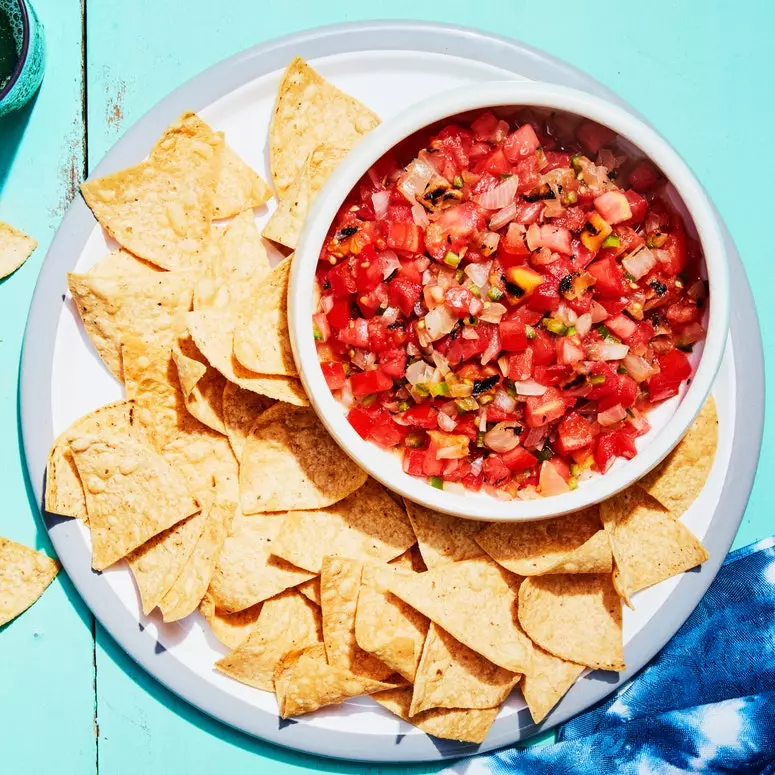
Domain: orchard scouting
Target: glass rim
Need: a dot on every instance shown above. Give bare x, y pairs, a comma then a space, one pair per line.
17, 70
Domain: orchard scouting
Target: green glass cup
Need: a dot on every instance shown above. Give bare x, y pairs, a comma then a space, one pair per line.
22, 54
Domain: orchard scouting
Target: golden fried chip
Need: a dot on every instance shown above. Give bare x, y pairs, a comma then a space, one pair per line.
450, 675
120, 263
575, 617
24, 576
340, 581
261, 341
551, 679
311, 590
310, 112
678, 480
160, 209
15, 248
443, 538
304, 682
239, 187
132, 494
649, 545
247, 572
191, 585
574, 543
467, 726
290, 462
368, 525
213, 332
146, 307
202, 385
229, 629
474, 601
64, 491
240, 410
287, 221
286, 623
386, 626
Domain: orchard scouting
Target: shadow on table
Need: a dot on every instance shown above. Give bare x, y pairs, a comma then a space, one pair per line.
12, 129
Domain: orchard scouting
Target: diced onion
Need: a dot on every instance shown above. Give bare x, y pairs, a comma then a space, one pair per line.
503, 365
583, 324
457, 488
528, 493
535, 437
492, 349
529, 387
326, 304
476, 466
598, 312
363, 360
611, 416
490, 243
419, 216
414, 179
504, 401
607, 351
391, 263
500, 196
483, 420
390, 315
438, 322
469, 333
380, 201
346, 394
442, 364
493, 312
533, 236
418, 372
638, 367
503, 216
478, 273
640, 263
502, 437
445, 422
411, 350
552, 209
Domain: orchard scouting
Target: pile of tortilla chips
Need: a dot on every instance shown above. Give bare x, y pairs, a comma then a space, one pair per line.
219, 486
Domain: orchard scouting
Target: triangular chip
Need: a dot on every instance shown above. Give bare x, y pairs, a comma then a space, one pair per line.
574, 543
310, 112
239, 187
64, 492
261, 341
202, 385
679, 478
450, 675
149, 308
240, 410
229, 629
649, 545
286, 623
340, 581
368, 525
443, 538
304, 682
132, 494
386, 626
287, 220
247, 572
551, 679
475, 602
467, 726
160, 209
120, 262
15, 248
575, 617
24, 576
311, 590
213, 332
290, 462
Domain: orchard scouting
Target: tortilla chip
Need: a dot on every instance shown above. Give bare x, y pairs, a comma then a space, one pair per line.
340, 581
149, 308
24, 576
311, 590
443, 538
304, 682
239, 187
386, 626
202, 385
574, 543
240, 409
230, 629
15, 248
290, 462
649, 545
132, 494
246, 572
551, 679
286, 623
309, 112
409, 560
575, 617
474, 601
120, 262
261, 341
678, 480
467, 726
64, 492
158, 562
213, 332
287, 221
160, 209
450, 675
368, 525
191, 585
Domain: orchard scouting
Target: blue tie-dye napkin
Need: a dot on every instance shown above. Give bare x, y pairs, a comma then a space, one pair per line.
705, 704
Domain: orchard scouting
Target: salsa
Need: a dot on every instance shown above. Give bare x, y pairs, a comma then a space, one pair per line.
8, 55
503, 302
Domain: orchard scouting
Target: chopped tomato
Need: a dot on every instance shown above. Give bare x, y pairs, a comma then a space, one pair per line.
675, 250
452, 230
568, 352
638, 207
610, 445
340, 313
609, 278
356, 334
404, 293
384, 431
573, 433
393, 363
498, 164
552, 375
550, 481
342, 279
643, 176
545, 409
422, 416
674, 369
361, 419
624, 393
496, 472
594, 136
334, 374
613, 206
521, 143
519, 459
543, 348
407, 237
462, 303
521, 366
367, 382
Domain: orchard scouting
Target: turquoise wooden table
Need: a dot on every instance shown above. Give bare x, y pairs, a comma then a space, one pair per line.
70, 700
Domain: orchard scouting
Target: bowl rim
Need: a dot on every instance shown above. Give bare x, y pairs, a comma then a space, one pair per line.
415, 118
25, 50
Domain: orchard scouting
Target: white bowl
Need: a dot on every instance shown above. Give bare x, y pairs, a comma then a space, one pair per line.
669, 421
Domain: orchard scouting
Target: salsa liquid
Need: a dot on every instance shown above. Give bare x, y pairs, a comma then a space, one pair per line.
8, 54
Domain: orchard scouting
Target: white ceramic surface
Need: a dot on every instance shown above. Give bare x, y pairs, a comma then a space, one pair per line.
669, 421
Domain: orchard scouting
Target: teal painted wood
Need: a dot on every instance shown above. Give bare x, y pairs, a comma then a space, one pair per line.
46, 656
